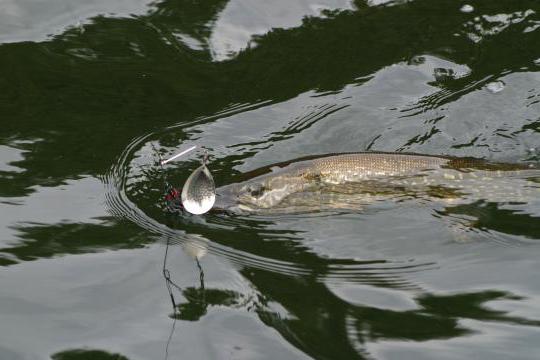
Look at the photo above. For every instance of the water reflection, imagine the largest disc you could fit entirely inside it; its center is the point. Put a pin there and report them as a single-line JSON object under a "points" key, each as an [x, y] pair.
{"points": [[307, 313], [206, 88], [493, 217], [198, 299], [242, 21], [22, 20], [319, 315], [85, 354], [383, 75]]}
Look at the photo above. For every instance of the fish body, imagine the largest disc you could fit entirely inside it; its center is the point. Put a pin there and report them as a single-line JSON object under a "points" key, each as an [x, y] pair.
{"points": [[347, 180]]}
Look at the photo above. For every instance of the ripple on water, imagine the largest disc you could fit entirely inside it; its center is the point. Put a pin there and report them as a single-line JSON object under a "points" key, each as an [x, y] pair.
{"points": [[124, 202]]}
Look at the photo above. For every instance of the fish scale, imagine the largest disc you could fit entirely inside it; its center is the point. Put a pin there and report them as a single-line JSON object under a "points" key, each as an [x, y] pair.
{"points": [[362, 166]]}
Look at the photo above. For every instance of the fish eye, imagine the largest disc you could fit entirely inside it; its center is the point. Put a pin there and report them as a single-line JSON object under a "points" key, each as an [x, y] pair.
{"points": [[256, 190]]}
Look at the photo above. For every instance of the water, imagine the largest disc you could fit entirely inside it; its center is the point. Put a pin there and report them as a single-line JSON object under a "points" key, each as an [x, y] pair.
{"points": [[90, 88]]}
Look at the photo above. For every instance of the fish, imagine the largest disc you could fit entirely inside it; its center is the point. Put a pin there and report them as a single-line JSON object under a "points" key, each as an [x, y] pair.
{"points": [[354, 180]]}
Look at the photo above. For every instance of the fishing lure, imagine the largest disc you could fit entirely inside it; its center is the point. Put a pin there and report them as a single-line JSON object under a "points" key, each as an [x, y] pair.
{"points": [[199, 192]]}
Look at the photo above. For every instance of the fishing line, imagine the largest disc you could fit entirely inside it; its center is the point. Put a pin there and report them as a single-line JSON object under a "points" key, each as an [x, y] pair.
{"points": [[169, 283], [167, 276], [170, 338]]}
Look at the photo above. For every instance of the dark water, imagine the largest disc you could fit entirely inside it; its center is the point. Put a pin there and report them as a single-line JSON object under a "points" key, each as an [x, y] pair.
{"points": [[88, 89]]}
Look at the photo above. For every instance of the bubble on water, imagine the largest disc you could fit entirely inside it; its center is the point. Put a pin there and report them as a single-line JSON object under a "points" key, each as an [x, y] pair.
{"points": [[495, 86], [466, 8]]}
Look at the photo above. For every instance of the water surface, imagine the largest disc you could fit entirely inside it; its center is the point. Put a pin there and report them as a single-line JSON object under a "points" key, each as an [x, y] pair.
{"points": [[91, 89]]}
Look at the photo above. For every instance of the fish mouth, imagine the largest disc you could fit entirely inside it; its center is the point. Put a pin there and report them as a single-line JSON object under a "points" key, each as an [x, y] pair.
{"points": [[235, 199], [226, 199], [254, 197]]}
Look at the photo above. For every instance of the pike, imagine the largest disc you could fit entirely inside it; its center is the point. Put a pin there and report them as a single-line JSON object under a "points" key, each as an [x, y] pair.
{"points": [[354, 179]]}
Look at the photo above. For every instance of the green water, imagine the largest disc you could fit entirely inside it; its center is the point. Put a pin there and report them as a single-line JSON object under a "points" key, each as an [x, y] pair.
{"points": [[90, 89]]}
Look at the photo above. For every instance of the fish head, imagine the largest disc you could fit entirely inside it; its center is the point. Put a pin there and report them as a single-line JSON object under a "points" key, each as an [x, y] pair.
{"points": [[239, 198], [257, 194]]}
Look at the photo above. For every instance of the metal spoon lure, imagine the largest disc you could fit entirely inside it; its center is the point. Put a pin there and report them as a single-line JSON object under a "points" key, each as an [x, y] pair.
{"points": [[199, 192]]}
